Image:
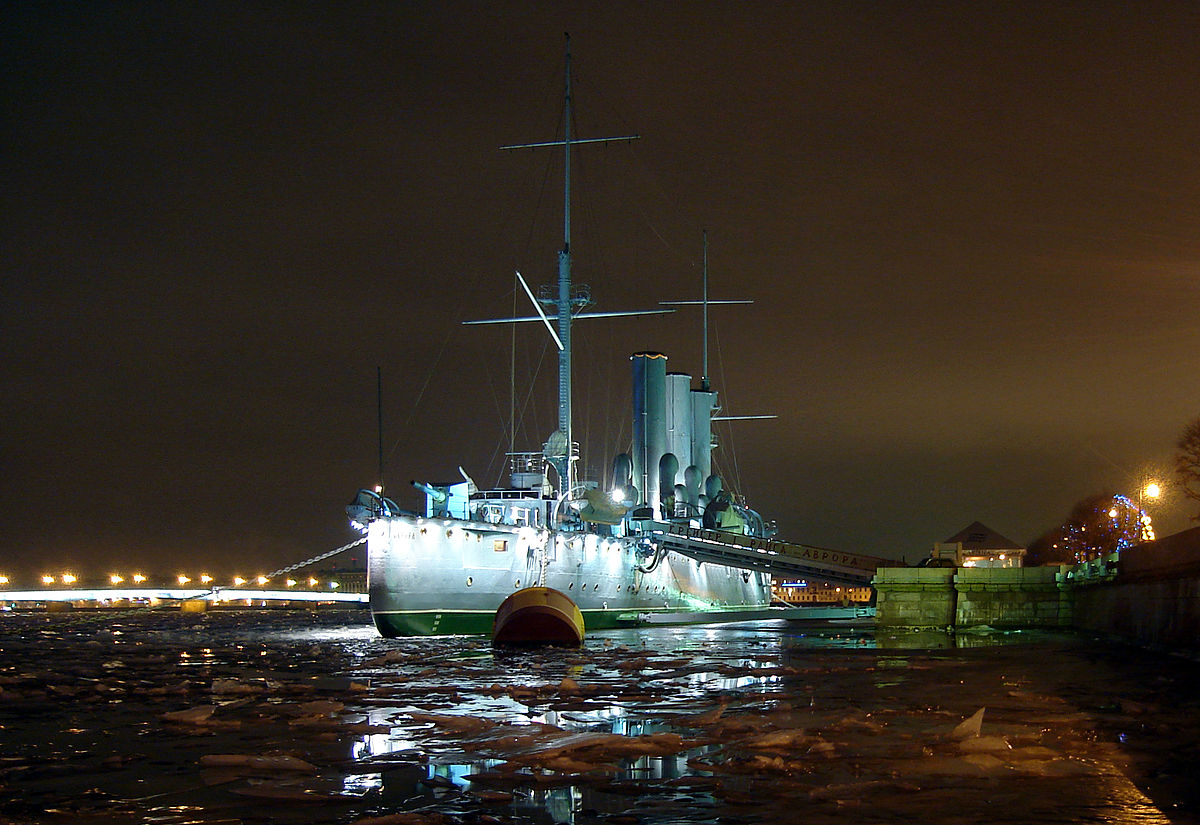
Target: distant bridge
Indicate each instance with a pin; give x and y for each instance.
(217, 595)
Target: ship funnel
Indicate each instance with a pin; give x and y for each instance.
(649, 423)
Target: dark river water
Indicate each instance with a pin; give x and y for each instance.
(273, 716)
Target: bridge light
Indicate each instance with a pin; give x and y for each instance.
(238, 581)
(138, 578)
(68, 578)
(3, 579)
(47, 580)
(183, 579)
(291, 582)
(205, 579)
(312, 582)
(262, 580)
(116, 579)
(334, 585)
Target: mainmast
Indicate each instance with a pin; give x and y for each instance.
(564, 300)
(559, 449)
(563, 463)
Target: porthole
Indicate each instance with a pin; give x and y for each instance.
(570, 585)
(517, 584)
(470, 581)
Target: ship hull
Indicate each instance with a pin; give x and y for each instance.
(448, 576)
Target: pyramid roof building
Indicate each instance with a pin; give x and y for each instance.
(981, 546)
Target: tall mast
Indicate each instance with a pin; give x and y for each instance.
(558, 452)
(565, 469)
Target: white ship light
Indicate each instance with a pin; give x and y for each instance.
(334, 585)
(618, 495)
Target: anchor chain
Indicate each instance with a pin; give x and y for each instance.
(316, 559)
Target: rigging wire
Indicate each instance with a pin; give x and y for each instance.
(737, 476)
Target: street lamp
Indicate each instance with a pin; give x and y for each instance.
(1152, 490)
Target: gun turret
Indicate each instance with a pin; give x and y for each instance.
(434, 493)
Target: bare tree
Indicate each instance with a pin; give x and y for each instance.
(1187, 462)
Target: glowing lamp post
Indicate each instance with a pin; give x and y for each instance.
(1149, 490)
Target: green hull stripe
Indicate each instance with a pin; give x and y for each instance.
(479, 623)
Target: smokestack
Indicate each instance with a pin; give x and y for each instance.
(649, 423)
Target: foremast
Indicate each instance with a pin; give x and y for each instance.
(559, 449)
(563, 463)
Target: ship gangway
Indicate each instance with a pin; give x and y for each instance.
(768, 555)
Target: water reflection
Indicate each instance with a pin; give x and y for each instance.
(760, 722)
(756, 709)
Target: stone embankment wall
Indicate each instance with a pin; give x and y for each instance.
(1011, 597)
(914, 597)
(971, 597)
(1151, 596)
(1154, 599)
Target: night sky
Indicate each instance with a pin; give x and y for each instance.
(971, 232)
